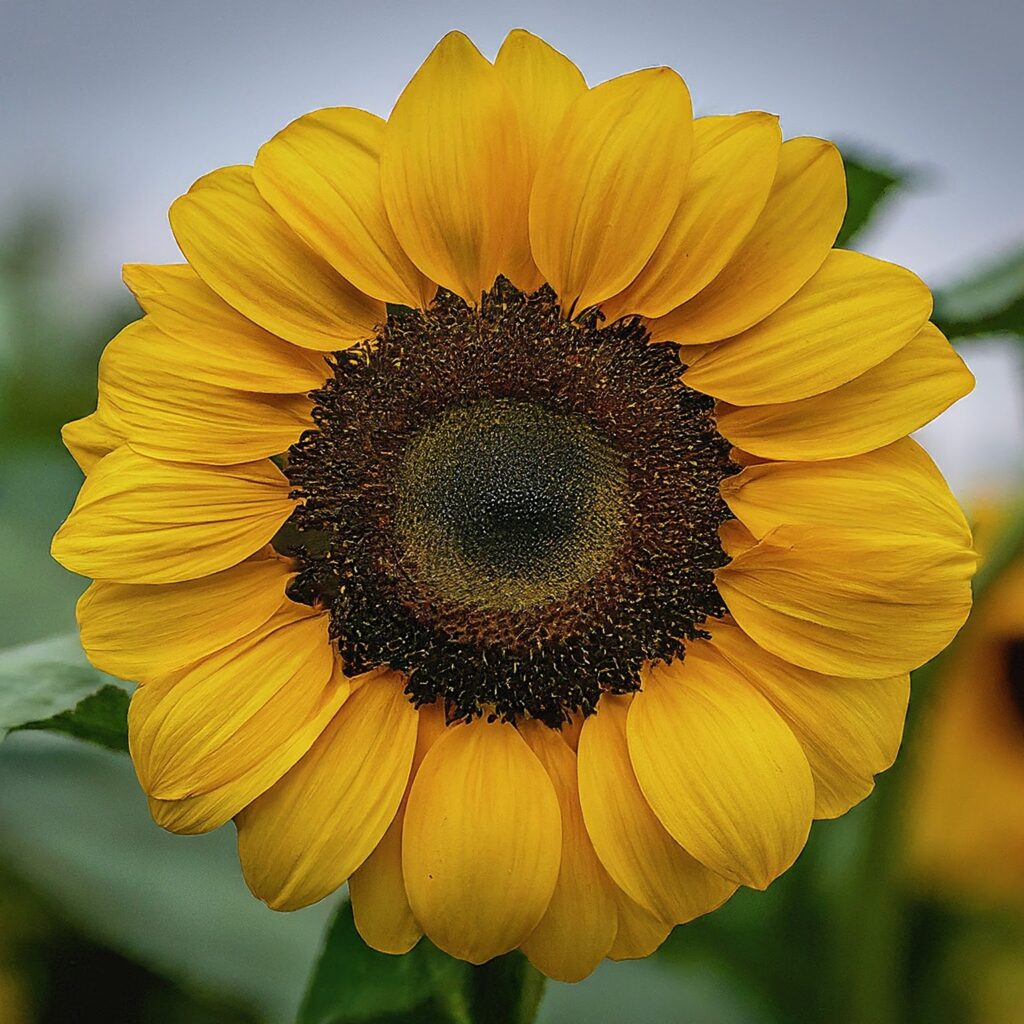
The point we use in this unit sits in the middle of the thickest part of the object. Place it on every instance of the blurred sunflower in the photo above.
(415, 615)
(965, 813)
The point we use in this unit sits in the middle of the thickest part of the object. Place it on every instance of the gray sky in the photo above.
(118, 106)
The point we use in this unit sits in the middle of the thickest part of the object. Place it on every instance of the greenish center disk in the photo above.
(505, 504)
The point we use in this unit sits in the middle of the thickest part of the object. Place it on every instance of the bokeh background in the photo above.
(109, 109)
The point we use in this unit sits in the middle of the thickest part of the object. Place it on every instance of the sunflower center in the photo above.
(515, 510)
(1014, 672)
(505, 504)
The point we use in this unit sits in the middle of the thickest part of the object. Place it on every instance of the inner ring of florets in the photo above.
(514, 510)
(505, 504)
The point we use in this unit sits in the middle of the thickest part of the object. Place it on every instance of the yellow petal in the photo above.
(322, 176)
(270, 692)
(542, 83)
(452, 169)
(786, 246)
(888, 401)
(380, 906)
(166, 414)
(894, 490)
(137, 632)
(254, 261)
(213, 342)
(720, 768)
(641, 857)
(734, 164)
(855, 312)
(639, 932)
(90, 439)
(305, 836)
(140, 521)
(609, 184)
(850, 729)
(482, 841)
(206, 811)
(579, 925)
(850, 602)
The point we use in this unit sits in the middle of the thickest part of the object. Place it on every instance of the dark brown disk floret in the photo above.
(514, 510)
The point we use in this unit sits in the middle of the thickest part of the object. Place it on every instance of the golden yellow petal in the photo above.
(482, 841)
(322, 176)
(542, 83)
(305, 836)
(256, 263)
(579, 925)
(213, 342)
(888, 401)
(636, 851)
(722, 771)
(734, 164)
(271, 691)
(90, 439)
(894, 490)
(452, 169)
(609, 183)
(639, 932)
(137, 632)
(830, 599)
(380, 906)
(167, 414)
(849, 729)
(137, 520)
(855, 312)
(786, 246)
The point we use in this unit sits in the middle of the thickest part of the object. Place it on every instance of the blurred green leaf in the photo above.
(100, 718)
(74, 825)
(40, 682)
(870, 183)
(353, 983)
(990, 301)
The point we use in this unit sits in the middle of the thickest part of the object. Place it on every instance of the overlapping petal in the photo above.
(90, 438)
(886, 402)
(322, 176)
(789, 242)
(542, 83)
(241, 248)
(166, 413)
(205, 338)
(852, 314)
(734, 164)
(636, 851)
(305, 836)
(452, 169)
(267, 695)
(482, 841)
(849, 729)
(137, 520)
(609, 183)
(138, 632)
(723, 772)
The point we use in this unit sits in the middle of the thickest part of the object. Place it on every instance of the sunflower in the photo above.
(964, 812)
(508, 509)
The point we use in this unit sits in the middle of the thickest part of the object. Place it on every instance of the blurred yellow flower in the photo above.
(415, 615)
(967, 812)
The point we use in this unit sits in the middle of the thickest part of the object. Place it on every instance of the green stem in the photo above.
(507, 990)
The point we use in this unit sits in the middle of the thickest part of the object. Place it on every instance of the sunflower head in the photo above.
(508, 508)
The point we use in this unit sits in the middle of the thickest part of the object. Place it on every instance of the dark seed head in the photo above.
(515, 510)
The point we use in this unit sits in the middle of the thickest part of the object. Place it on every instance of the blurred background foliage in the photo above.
(105, 917)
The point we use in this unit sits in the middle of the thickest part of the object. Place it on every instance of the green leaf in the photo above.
(43, 681)
(101, 718)
(74, 826)
(869, 185)
(353, 983)
(990, 301)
